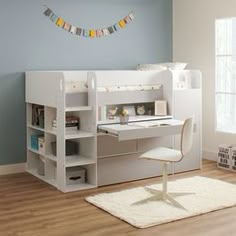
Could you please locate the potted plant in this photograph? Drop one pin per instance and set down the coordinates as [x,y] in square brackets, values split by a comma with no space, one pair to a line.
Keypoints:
[124,117]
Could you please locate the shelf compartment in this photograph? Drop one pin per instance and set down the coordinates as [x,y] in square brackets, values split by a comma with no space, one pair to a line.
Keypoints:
[35,115]
[78,161]
[32,137]
[51,131]
[79,108]
[74,134]
[38,166]
[44,178]
[84,186]
[90,178]
[50,116]
[76,99]
[48,156]
[35,127]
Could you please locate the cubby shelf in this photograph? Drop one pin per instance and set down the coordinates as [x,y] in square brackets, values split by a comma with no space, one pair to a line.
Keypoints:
[79,161]
[50,131]
[77,187]
[48,156]
[74,134]
[45,179]
[35,127]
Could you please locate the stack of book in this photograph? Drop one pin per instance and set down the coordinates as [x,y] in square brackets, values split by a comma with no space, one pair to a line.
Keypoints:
[38,115]
[72,123]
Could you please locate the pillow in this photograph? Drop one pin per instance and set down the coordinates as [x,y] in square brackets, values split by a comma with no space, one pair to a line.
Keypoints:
[162,66]
[157,67]
[174,65]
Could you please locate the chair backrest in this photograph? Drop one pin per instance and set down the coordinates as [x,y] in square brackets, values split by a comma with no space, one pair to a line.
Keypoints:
[187,136]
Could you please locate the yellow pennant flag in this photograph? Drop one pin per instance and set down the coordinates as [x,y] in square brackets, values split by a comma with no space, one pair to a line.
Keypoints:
[122,23]
[92,33]
[60,22]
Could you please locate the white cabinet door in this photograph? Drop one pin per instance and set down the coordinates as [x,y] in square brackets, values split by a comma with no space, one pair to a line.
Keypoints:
[188,103]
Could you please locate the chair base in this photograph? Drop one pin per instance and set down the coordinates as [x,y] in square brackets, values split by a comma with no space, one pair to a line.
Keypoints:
[164,196]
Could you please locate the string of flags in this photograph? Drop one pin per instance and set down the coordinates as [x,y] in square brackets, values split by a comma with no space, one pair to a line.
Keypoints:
[91,33]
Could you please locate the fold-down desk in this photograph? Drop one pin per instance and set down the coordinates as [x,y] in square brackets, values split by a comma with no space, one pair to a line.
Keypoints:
[146,129]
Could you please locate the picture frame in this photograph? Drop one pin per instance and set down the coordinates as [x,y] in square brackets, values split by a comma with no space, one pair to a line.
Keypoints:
[160,108]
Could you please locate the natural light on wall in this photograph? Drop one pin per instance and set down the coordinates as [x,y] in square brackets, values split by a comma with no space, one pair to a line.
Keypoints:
[225,86]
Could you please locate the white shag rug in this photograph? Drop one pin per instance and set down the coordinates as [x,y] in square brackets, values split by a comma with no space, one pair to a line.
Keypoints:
[128,205]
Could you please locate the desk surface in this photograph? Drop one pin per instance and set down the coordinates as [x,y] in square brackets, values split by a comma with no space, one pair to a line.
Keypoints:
[116,120]
[144,129]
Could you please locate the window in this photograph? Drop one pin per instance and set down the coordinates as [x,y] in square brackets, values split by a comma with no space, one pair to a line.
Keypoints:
[225,86]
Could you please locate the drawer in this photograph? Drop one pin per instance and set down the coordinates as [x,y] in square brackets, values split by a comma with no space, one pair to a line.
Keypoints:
[110,146]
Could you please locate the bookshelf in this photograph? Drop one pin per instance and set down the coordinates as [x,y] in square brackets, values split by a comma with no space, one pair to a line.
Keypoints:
[49,119]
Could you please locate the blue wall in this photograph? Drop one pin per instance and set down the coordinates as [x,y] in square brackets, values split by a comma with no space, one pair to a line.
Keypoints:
[29,41]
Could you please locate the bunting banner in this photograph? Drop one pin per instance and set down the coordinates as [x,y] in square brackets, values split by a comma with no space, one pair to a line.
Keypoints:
[89,33]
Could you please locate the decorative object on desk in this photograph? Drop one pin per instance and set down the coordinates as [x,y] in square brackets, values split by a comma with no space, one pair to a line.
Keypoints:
[160,108]
[89,33]
[140,110]
[124,117]
[210,196]
[112,112]
[130,109]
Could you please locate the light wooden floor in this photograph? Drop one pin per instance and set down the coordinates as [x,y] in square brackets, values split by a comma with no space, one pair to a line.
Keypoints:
[30,207]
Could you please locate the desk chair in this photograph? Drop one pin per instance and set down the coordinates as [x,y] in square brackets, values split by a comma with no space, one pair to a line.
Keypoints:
[167,155]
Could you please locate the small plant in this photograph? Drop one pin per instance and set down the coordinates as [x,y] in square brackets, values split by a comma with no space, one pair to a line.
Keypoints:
[124,112]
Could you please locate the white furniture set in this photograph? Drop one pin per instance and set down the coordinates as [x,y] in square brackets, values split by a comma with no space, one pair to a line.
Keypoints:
[109,151]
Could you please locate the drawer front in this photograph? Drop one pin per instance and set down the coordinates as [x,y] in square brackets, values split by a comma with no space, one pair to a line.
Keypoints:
[110,146]
[130,132]
[150,143]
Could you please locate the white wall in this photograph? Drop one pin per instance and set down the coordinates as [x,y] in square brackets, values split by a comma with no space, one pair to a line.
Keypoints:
[193,42]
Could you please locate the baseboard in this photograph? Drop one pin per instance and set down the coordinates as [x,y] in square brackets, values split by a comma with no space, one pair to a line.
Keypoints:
[209,155]
[12,169]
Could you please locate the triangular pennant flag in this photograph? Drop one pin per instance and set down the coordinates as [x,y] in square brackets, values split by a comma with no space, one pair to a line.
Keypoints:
[60,22]
[92,33]
[48,12]
[122,23]
[73,29]
[79,31]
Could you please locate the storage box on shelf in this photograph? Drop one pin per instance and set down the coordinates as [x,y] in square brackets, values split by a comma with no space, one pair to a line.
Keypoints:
[80,177]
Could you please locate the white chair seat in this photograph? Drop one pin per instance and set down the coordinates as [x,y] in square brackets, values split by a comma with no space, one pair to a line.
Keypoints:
[162,154]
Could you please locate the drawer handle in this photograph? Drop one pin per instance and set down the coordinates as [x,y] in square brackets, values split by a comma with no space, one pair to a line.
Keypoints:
[75,177]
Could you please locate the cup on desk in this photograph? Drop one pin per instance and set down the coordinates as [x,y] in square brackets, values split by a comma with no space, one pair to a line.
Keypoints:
[124,119]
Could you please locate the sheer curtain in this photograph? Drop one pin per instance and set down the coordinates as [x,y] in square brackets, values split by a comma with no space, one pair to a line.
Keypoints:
[225,86]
